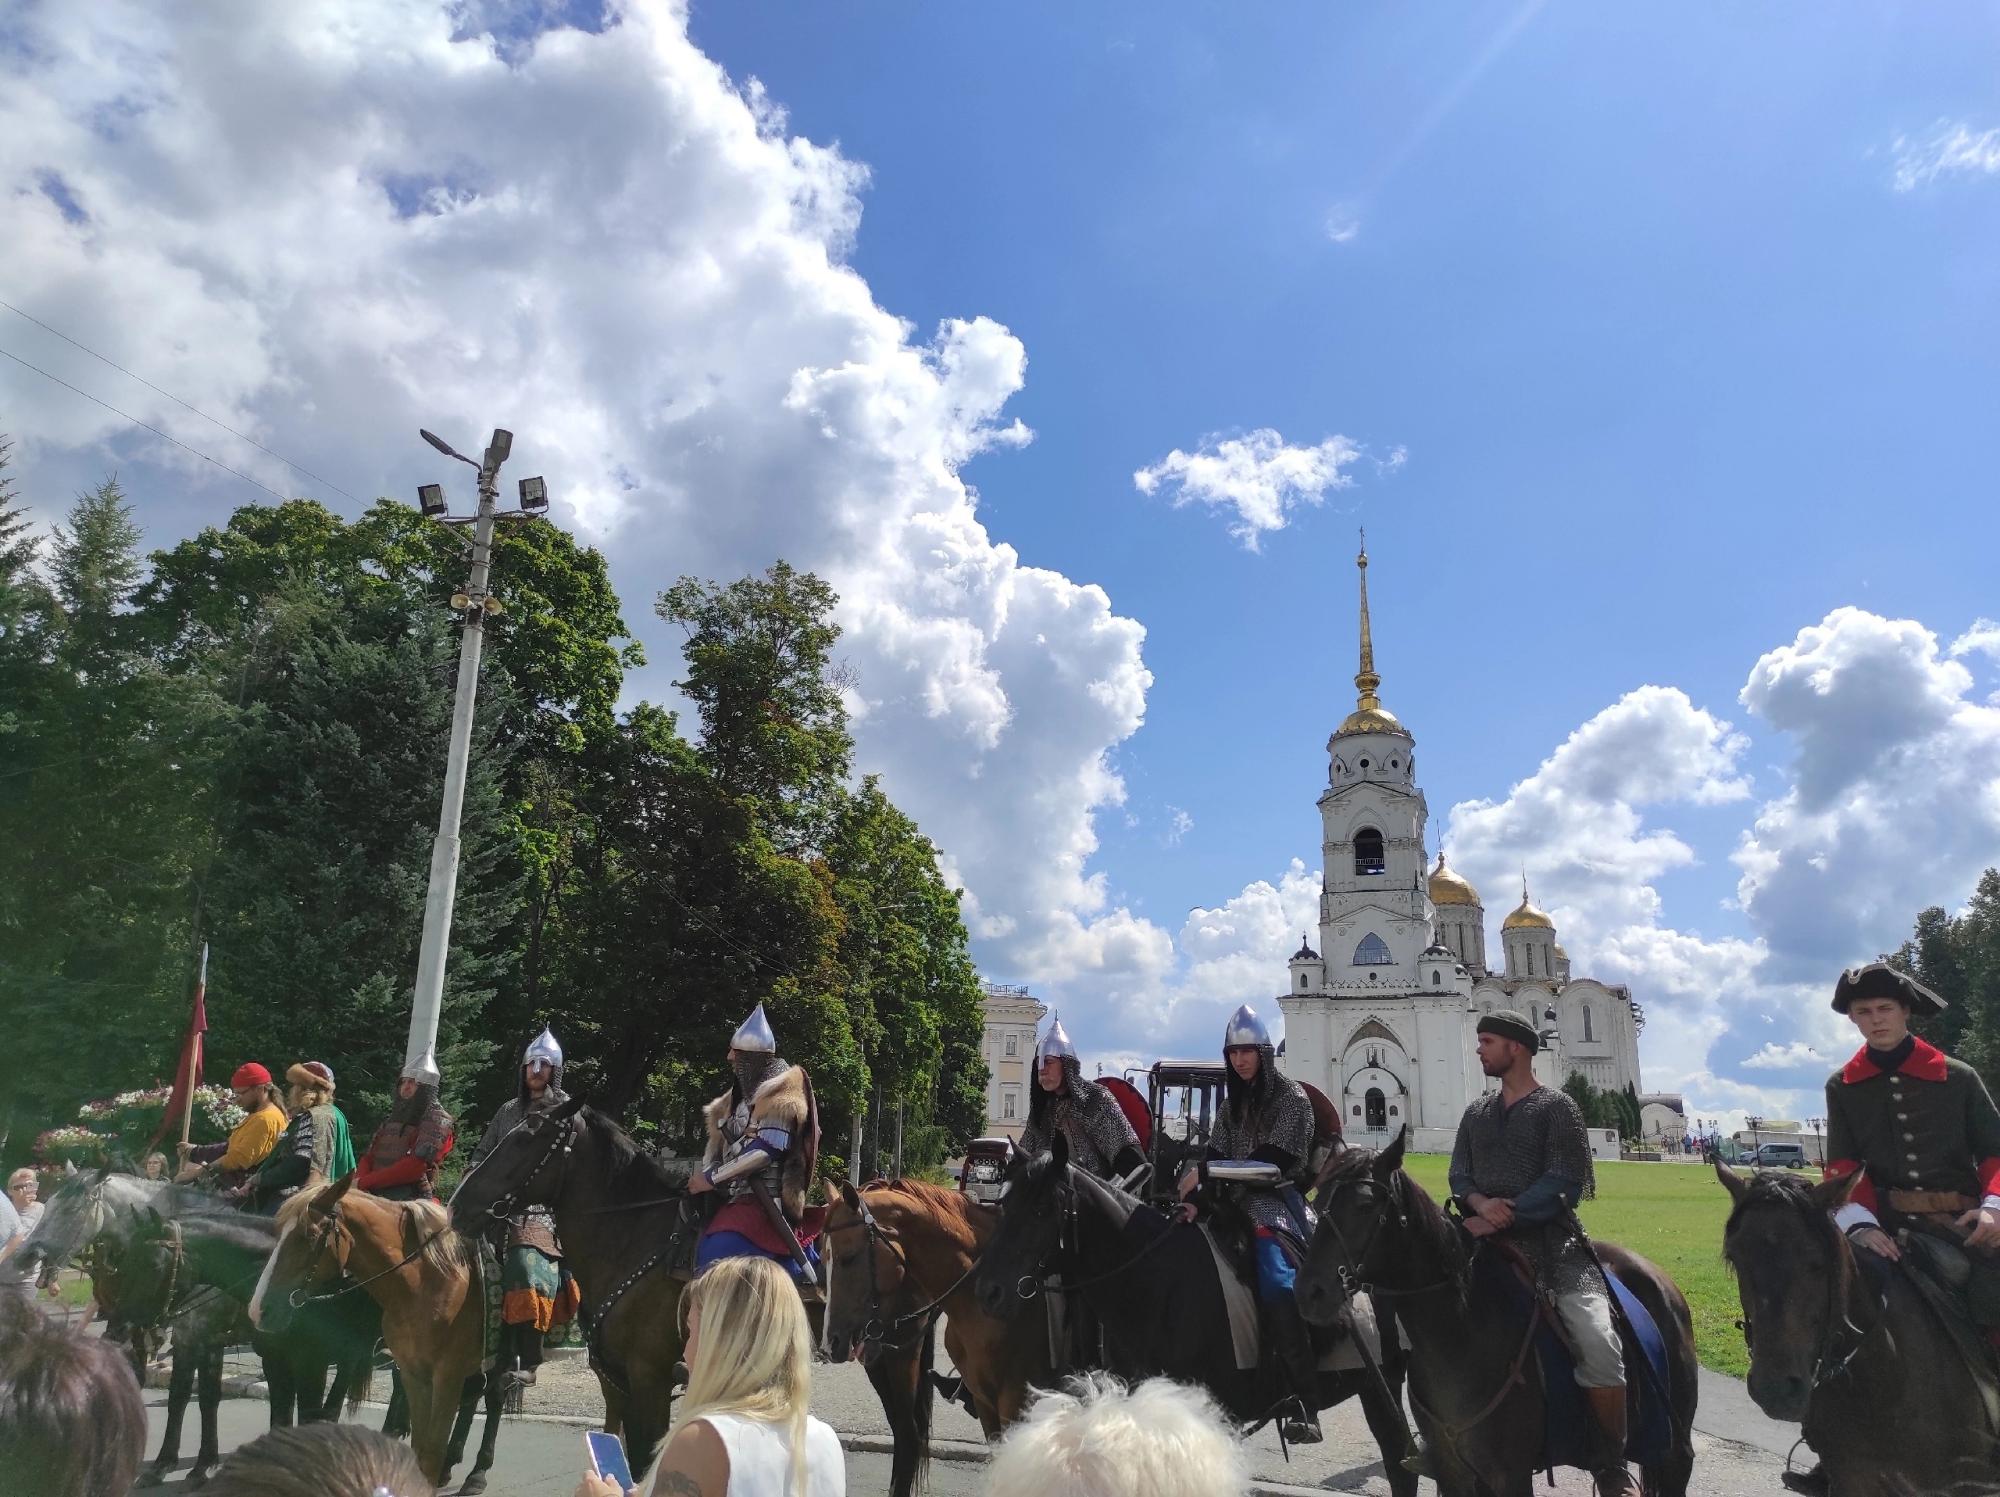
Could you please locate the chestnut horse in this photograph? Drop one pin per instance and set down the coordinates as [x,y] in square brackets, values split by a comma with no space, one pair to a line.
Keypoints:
[407,1258]
[899,1252]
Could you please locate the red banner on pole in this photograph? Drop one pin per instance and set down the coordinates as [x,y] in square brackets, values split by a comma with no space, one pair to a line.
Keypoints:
[187,1074]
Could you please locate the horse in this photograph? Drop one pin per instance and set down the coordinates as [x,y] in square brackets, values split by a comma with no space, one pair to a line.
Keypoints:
[1869,1370]
[898,1252]
[422,1274]
[1478,1403]
[1157,1292]
[585,1169]
[110,1212]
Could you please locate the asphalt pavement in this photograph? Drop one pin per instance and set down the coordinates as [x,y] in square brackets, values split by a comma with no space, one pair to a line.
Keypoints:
[1738,1451]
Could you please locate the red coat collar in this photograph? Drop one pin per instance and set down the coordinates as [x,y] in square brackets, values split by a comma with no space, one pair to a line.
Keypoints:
[1926,1063]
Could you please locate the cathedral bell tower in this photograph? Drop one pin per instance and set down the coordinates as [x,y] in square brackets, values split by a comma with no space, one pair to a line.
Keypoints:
[1375,909]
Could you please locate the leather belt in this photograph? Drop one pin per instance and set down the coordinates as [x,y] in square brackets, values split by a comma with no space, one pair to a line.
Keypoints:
[1930,1202]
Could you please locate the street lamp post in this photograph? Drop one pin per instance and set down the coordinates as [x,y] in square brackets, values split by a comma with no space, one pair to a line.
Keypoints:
[1753,1124]
[472,604]
[1819,1144]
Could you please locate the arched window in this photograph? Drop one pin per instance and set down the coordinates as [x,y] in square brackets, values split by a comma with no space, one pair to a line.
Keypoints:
[1435,976]
[1377,1105]
[1302,982]
[1373,952]
[1368,854]
[1587,1035]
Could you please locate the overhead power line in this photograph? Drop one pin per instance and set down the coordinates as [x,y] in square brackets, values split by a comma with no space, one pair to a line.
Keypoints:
[240,436]
[237,472]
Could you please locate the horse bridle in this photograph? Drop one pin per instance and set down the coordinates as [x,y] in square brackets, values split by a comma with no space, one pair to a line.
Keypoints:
[873,1331]
[1825,1367]
[561,1143]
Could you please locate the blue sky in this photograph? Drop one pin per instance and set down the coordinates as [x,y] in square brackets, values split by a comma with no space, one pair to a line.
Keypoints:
[1653,336]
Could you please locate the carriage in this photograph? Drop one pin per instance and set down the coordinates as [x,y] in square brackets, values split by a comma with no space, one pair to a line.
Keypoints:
[1177,1115]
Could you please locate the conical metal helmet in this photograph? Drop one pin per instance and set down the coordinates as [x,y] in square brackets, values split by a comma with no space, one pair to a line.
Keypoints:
[754,1034]
[545,1049]
[424,1069]
[1055,1042]
[1245,1028]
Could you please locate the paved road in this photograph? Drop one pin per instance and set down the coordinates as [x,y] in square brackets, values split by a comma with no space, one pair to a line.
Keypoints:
[1739,1452]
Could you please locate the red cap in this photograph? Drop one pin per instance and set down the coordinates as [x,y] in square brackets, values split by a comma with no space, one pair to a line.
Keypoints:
[250,1074]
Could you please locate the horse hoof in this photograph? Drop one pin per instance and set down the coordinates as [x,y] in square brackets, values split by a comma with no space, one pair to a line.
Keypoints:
[156,1474]
[199,1476]
[474,1485]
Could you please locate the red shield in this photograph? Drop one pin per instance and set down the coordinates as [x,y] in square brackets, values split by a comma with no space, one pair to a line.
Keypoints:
[1133,1106]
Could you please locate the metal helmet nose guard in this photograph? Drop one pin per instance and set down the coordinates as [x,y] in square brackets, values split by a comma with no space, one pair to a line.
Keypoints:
[544,1048]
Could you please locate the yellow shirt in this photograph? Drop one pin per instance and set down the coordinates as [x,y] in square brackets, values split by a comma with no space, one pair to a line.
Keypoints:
[253,1138]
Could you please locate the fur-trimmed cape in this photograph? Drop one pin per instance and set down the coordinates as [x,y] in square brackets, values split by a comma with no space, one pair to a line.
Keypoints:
[781,1101]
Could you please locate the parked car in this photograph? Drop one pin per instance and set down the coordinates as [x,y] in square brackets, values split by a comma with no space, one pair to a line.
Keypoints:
[1781,1156]
[985,1170]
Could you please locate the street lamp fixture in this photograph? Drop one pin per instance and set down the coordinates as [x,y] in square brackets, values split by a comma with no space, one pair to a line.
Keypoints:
[430,498]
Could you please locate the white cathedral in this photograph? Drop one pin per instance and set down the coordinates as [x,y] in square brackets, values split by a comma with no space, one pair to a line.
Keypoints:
[1381,1017]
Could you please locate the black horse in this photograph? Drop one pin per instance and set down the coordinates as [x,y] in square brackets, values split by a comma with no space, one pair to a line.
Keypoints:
[627,1230]
[1155,1288]
[1871,1371]
[1472,1381]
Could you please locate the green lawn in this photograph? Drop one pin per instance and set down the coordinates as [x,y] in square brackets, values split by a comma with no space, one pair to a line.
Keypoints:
[1672,1214]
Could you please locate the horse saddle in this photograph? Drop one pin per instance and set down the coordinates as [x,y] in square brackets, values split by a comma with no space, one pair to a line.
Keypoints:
[1569,1431]
[1962,1292]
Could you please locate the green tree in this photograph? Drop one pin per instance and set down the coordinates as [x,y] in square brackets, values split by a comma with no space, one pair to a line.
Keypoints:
[1958,957]
[760,672]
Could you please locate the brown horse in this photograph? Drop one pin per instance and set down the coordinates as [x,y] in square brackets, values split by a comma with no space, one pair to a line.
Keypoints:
[1476,1398]
[409,1261]
[1871,1372]
[898,1252]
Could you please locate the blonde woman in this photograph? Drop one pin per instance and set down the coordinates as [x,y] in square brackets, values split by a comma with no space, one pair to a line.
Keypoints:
[745,1431]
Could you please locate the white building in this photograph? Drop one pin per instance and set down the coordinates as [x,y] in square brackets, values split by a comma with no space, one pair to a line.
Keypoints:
[1012,1018]
[1381,1016]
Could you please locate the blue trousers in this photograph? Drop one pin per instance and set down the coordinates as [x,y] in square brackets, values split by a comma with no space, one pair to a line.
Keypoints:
[716,1245]
[1276,1278]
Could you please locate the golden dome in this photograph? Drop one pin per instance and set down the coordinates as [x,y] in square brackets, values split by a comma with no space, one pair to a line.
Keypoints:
[1527,917]
[1376,719]
[1448,888]
[1561,955]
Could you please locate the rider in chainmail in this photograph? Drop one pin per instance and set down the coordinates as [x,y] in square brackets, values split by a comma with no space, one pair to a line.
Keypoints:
[1266,1118]
[535,1294]
[1100,1137]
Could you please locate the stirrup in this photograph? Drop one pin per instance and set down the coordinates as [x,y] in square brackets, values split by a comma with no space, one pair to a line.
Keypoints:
[1299,1427]
[1813,1483]
[1421,1461]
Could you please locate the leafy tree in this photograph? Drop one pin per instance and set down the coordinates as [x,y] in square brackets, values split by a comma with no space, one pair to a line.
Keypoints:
[1958,957]
[760,672]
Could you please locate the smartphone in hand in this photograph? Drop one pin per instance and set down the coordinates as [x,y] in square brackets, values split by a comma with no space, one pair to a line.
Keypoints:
[607,1459]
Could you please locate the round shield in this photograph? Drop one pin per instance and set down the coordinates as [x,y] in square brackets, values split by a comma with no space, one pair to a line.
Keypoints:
[1133,1106]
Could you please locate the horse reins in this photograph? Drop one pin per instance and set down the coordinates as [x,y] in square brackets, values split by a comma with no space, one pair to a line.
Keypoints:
[874,1332]
[302,1296]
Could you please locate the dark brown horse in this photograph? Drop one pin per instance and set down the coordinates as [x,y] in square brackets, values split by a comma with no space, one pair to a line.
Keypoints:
[899,1253]
[1156,1289]
[1480,1414]
[1885,1398]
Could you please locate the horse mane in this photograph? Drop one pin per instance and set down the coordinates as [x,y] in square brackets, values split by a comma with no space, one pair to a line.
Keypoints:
[1426,1217]
[625,1157]
[1774,1188]
[938,1204]
[427,1222]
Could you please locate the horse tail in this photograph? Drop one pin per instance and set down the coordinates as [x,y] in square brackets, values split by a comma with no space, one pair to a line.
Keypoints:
[920,1414]
[360,1383]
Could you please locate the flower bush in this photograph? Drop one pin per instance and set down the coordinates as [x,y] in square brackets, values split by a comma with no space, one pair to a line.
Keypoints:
[120,1127]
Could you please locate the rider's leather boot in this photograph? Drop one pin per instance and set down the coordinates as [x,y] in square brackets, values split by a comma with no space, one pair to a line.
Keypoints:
[1291,1349]
[1607,1405]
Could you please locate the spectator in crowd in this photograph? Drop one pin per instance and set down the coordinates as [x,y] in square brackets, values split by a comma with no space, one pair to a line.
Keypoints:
[154,1166]
[72,1422]
[1099,1439]
[321,1460]
[25,1211]
[744,1429]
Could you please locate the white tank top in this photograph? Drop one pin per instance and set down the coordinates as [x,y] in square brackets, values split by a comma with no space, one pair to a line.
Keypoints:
[760,1457]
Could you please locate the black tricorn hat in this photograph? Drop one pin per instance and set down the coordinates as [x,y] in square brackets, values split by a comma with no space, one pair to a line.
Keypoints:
[1880,980]
[1509,1026]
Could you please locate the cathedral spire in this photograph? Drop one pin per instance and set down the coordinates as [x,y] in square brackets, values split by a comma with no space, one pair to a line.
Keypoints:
[1365,679]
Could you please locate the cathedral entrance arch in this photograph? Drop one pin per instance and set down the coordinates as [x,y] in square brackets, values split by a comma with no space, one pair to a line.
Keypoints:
[1375,1111]
[1375,1073]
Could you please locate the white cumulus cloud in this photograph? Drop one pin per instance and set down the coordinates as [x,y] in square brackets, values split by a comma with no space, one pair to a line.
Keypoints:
[1792,1056]
[334,221]
[1983,638]
[1895,796]
[1259,477]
